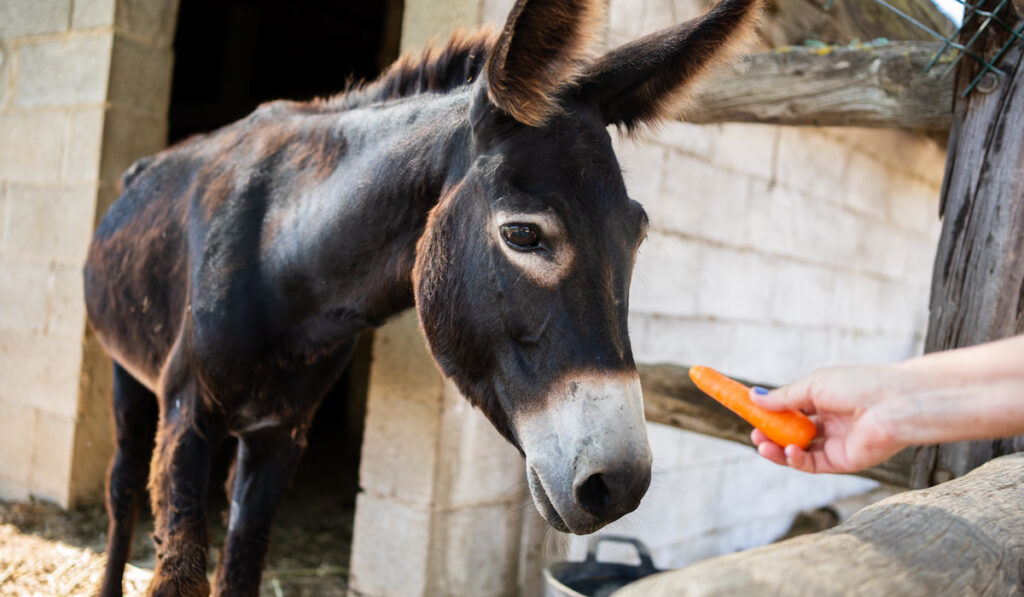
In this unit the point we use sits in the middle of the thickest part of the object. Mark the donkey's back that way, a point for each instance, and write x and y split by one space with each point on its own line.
198 229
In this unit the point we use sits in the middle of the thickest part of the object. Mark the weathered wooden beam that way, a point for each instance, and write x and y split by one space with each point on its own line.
671 398
958 538
790 22
979 265
882 85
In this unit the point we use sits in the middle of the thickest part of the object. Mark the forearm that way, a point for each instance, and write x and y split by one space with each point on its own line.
964 394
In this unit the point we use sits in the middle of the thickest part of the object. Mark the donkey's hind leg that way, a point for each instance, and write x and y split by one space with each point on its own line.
135 416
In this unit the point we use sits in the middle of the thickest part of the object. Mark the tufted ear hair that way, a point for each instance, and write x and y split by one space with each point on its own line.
649 79
540 51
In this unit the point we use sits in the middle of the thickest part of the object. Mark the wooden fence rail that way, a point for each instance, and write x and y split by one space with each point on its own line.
962 537
865 85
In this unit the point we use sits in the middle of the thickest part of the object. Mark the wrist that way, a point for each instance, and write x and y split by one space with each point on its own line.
901 404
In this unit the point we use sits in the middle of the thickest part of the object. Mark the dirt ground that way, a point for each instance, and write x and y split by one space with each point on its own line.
47 551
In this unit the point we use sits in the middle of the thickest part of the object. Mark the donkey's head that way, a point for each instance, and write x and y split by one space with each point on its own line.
522 275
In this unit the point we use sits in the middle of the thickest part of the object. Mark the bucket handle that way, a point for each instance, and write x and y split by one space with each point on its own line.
646 564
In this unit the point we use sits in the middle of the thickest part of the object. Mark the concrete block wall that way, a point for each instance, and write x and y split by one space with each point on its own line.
811 257
73 83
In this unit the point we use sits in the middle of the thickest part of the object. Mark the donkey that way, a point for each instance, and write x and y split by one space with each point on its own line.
477 183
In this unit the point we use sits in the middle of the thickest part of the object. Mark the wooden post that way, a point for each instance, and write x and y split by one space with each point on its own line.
978 279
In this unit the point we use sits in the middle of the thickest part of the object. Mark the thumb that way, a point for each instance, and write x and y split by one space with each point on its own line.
795 396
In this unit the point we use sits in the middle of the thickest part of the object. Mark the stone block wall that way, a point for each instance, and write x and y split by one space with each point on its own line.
84 87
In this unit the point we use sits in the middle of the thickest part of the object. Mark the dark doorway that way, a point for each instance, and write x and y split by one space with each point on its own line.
230 56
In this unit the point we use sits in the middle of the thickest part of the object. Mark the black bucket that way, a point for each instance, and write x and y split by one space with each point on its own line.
591 578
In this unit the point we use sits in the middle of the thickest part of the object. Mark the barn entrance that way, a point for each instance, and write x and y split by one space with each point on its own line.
230 56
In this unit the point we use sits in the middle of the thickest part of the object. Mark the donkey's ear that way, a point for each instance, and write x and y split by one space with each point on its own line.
538 52
647 80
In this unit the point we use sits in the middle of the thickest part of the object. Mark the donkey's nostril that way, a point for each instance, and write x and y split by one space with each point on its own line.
593 495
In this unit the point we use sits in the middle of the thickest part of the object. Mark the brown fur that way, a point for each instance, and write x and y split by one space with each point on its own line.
657 76
313 152
181 565
318 155
180 527
153 241
539 53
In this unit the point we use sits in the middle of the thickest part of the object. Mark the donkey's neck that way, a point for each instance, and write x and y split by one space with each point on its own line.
358 231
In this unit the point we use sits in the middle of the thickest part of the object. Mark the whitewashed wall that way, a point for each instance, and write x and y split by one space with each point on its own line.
791 247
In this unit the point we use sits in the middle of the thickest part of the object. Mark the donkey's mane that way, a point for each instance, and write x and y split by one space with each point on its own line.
455 64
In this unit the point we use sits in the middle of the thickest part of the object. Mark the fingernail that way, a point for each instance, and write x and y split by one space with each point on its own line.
760 391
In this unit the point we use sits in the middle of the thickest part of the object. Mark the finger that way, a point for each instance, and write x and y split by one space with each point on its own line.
797 458
758 437
815 461
773 452
795 396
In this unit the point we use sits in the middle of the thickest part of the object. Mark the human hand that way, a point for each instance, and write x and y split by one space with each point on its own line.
856 409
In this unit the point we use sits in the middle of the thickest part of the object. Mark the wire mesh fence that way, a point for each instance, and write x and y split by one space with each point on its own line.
1002 15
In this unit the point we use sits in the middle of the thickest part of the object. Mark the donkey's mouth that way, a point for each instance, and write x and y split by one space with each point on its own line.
543 502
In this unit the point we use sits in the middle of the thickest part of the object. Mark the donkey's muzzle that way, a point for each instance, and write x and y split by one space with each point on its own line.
587 456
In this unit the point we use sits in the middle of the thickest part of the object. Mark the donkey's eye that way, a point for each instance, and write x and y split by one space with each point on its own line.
522 237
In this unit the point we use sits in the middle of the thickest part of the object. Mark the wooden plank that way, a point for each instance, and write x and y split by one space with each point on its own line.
979 266
790 22
868 85
959 538
670 398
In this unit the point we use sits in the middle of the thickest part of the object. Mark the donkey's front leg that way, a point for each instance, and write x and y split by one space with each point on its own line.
179 477
264 465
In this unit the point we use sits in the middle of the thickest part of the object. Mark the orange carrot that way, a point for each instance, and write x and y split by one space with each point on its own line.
783 428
